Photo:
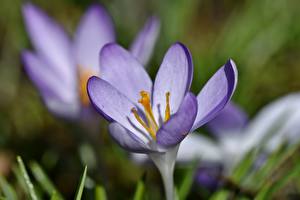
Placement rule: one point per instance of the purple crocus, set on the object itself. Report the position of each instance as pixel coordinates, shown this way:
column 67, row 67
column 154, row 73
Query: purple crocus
column 154, row 118
column 60, row 67
column 231, row 120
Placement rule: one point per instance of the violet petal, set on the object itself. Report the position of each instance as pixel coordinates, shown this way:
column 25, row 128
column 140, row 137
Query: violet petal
column 174, row 76
column 178, row 126
column 143, row 45
column 112, row 103
column 216, row 93
column 51, row 42
column 59, row 97
column 94, row 31
column 124, row 72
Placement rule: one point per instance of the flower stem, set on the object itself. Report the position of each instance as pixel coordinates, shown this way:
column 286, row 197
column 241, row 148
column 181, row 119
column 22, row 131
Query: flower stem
column 168, row 180
column 165, row 163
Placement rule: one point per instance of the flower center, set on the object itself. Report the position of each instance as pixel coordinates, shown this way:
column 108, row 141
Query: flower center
column 84, row 75
column 150, row 125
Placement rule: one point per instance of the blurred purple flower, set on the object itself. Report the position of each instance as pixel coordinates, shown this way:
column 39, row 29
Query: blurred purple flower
column 154, row 119
column 276, row 123
column 209, row 175
column 60, row 67
column 230, row 120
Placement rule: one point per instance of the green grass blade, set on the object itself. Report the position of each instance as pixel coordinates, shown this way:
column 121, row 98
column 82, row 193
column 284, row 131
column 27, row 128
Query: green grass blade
column 187, row 182
column 255, row 179
column 269, row 190
column 220, row 195
column 283, row 172
column 139, row 191
column 100, row 193
column 44, row 180
column 28, row 182
column 243, row 167
column 176, row 194
column 20, row 179
column 294, row 173
column 81, row 185
column 7, row 189
column 55, row 196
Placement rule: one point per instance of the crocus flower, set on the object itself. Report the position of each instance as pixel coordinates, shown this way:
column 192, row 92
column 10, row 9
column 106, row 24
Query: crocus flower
column 61, row 66
column 154, row 118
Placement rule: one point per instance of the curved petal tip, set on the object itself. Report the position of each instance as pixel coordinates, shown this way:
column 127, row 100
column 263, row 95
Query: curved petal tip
column 144, row 43
column 91, row 87
column 232, row 74
column 216, row 93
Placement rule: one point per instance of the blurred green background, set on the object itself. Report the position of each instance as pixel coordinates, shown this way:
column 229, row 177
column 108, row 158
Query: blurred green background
column 261, row 36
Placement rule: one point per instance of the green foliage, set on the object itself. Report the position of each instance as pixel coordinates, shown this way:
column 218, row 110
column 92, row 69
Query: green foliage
column 100, row 193
column 266, row 181
column 220, row 195
column 7, row 189
column 55, row 196
column 244, row 166
column 257, row 177
column 281, row 174
column 140, row 190
column 43, row 180
column 28, row 182
column 81, row 184
column 10, row 192
column 187, row 182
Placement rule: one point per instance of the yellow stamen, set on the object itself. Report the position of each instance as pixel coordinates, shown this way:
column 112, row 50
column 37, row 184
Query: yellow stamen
column 84, row 75
column 168, row 110
column 138, row 118
column 145, row 101
column 151, row 125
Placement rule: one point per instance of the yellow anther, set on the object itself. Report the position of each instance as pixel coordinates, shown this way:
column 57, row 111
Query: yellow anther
column 151, row 125
column 146, row 102
column 138, row 118
column 84, row 76
column 168, row 110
